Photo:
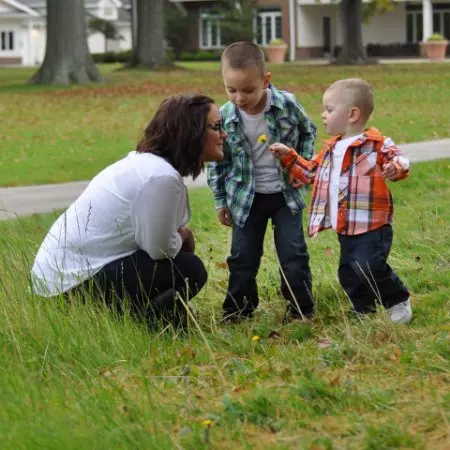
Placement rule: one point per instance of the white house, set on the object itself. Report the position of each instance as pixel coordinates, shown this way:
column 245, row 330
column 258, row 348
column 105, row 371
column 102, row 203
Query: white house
column 23, row 29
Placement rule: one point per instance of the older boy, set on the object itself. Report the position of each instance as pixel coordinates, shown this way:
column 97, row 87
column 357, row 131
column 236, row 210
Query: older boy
column 250, row 187
column 350, row 195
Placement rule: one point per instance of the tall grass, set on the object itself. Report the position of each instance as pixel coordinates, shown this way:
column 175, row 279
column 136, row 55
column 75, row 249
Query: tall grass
column 77, row 376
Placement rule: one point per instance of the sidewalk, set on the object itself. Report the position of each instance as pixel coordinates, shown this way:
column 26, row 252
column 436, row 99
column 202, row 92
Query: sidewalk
column 28, row 200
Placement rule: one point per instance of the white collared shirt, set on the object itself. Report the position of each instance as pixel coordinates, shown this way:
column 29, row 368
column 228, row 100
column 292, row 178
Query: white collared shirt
column 139, row 202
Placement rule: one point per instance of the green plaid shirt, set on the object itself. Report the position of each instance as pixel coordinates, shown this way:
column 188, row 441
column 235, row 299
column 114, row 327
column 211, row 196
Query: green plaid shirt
column 232, row 180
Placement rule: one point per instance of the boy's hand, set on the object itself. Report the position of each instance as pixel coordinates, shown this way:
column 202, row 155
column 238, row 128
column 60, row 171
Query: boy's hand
column 224, row 216
column 295, row 183
column 389, row 171
column 279, row 150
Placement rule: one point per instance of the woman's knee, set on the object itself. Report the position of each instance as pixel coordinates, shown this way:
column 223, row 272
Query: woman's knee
column 192, row 269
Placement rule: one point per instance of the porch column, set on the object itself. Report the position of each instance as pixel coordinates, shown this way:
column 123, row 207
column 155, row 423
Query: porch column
column 28, row 60
column 292, row 33
column 427, row 17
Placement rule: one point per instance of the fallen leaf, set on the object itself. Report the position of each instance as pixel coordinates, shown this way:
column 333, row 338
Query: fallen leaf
column 335, row 381
column 329, row 251
column 396, row 355
column 274, row 335
column 324, row 343
column 221, row 265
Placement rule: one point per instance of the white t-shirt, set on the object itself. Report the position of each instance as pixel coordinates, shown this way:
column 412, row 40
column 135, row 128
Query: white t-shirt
column 335, row 175
column 136, row 203
column 267, row 178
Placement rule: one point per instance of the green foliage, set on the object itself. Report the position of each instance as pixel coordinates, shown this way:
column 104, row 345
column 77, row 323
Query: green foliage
column 177, row 29
column 436, row 37
column 375, row 7
column 112, row 57
column 277, row 42
column 236, row 20
column 201, row 55
column 105, row 27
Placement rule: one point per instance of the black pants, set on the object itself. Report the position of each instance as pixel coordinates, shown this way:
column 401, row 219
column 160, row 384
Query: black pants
column 247, row 250
column 364, row 272
column 151, row 286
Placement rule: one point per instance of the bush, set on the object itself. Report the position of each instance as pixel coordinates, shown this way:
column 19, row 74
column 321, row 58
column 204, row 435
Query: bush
column 201, row 55
column 112, row 57
column 277, row 42
column 436, row 37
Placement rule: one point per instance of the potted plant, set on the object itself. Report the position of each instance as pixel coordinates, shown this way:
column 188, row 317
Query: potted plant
column 276, row 51
column 436, row 47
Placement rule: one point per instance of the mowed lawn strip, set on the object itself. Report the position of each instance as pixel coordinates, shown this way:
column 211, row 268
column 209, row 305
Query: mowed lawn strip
column 56, row 134
column 76, row 376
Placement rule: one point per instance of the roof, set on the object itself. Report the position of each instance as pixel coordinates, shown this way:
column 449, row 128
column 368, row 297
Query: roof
column 28, row 6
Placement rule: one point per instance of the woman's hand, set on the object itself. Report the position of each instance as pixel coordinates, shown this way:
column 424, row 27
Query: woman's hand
column 188, row 239
column 224, row 216
column 279, row 150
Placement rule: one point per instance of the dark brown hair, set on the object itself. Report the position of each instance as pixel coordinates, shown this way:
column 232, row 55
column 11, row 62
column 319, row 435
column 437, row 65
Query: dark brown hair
column 177, row 132
column 243, row 55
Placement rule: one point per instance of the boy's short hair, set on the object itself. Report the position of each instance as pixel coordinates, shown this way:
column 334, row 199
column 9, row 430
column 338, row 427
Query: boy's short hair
column 243, row 55
column 358, row 92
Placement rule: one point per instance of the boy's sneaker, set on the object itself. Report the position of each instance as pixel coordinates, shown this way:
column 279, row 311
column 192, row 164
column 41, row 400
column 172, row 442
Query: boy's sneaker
column 401, row 312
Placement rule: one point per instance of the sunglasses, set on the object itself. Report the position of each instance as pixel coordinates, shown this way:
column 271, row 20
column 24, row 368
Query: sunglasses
column 216, row 127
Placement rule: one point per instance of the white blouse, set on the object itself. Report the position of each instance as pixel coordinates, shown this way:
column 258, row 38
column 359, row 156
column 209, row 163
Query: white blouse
column 136, row 203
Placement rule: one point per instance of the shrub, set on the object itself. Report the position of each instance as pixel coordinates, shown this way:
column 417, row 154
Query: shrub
column 275, row 42
column 436, row 37
column 112, row 57
column 201, row 55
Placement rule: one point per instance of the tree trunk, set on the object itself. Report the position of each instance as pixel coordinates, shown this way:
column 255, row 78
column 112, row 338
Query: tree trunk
column 149, row 51
column 67, row 59
column 353, row 51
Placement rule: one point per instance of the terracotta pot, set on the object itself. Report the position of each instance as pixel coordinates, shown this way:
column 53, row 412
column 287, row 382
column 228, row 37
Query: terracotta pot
column 435, row 50
column 276, row 53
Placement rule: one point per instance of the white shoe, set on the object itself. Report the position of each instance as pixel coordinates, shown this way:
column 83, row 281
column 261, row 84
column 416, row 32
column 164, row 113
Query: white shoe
column 401, row 312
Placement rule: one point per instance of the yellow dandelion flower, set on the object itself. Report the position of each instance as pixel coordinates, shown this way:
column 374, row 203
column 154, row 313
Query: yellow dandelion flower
column 262, row 139
column 207, row 423
column 255, row 338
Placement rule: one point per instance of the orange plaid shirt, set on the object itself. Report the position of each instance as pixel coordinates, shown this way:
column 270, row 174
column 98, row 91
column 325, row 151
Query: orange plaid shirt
column 364, row 200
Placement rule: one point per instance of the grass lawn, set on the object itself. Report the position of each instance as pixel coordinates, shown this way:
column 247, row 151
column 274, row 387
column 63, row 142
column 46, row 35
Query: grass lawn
column 75, row 377
column 63, row 134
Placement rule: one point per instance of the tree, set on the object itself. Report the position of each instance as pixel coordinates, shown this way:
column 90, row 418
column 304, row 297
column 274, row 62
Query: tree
column 177, row 29
column 67, row 58
column 105, row 27
column 236, row 20
column 352, row 14
column 353, row 51
column 149, row 51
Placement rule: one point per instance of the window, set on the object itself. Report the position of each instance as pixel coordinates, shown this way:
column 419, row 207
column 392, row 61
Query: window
column 414, row 21
column 7, row 40
column 210, row 31
column 268, row 26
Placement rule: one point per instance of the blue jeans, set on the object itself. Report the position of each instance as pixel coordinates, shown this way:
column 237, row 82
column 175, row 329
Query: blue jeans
column 364, row 272
column 247, row 250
